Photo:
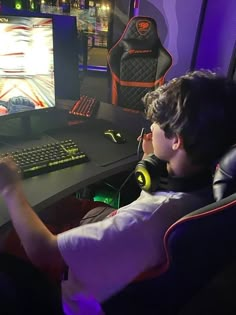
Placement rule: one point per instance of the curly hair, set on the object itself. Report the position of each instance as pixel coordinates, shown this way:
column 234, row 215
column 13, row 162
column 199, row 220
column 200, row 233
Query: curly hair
column 201, row 108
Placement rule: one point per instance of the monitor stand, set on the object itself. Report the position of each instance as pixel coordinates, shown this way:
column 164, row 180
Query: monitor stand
column 26, row 128
column 20, row 128
column 30, row 127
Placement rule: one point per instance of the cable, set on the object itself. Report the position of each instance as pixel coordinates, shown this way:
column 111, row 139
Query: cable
column 138, row 156
column 140, row 142
column 124, row 182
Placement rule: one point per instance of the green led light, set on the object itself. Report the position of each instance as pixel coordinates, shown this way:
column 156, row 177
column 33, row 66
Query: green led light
column 108, row 196
column 18, row 6
column 35, row 168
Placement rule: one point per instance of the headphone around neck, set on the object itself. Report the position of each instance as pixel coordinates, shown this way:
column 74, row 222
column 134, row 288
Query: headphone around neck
column 151, row 175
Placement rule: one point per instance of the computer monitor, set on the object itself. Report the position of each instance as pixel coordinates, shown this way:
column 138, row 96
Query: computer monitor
column 26, row 64
column 38, row 65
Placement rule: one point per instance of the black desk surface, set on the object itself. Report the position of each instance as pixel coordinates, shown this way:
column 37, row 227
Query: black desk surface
column 105, row 157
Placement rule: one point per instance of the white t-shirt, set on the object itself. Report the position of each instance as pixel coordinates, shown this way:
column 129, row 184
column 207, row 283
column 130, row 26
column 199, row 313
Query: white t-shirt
column 105, row 256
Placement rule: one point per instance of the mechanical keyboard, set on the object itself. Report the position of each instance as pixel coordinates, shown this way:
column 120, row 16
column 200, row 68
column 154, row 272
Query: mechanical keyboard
column 85, row 107
column 46, row 158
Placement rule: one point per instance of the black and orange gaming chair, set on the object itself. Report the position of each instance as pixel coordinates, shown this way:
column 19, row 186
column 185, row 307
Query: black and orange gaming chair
column 199, row 247
column 138, row 63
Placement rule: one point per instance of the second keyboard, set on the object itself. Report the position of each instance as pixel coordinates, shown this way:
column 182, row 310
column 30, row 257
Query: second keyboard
column 85, row 107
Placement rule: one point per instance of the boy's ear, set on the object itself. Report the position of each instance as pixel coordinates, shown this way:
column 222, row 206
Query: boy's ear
column 177, row 142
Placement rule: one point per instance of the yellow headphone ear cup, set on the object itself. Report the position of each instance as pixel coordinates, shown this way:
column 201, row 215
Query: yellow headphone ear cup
column 143, row 177
column 148, row 172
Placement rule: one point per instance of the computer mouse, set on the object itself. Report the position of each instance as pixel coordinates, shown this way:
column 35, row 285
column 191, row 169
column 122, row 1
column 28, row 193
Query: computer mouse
column 114, row 135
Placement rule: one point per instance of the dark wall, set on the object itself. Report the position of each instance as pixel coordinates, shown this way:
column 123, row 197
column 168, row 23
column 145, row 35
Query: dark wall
column 218, row 36
column 177, row 22
column 232, row 65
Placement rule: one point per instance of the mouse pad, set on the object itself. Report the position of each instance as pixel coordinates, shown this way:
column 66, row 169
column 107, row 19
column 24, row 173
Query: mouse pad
column 99, row 149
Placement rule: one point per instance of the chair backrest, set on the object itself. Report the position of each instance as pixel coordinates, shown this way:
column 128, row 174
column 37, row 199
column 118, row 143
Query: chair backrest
column 138, row 63
column 198, row 247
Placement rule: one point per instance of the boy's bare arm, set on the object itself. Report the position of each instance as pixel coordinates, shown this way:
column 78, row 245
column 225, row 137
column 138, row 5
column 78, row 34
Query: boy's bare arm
column 39, row 243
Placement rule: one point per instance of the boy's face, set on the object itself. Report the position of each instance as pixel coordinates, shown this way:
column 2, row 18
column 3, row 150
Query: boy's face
column 162, row 146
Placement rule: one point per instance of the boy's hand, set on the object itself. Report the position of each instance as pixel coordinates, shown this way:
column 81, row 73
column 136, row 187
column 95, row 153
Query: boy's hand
column 9, row 175
column 147, row 143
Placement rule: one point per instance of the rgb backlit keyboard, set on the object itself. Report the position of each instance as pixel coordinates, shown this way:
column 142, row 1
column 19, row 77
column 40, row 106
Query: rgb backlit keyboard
column 85, row 107
column 46, row 158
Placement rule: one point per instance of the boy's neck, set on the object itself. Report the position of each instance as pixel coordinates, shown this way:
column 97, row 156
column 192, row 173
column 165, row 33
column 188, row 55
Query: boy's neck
column 181, row 166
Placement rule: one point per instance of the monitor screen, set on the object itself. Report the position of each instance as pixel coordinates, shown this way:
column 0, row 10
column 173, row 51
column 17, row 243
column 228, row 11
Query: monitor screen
column 26, row 64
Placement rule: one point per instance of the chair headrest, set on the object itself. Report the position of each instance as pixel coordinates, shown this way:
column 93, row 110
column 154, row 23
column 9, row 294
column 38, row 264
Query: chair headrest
column 140, row 38
column 224, row 182
column 140, row 27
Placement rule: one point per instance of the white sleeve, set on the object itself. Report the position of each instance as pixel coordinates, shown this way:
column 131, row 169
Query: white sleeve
column 105, row 256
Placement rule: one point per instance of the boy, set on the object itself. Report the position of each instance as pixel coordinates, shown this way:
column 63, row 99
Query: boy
column 193, row 119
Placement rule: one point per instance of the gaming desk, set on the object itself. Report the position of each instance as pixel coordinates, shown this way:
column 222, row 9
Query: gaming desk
column 105, row 157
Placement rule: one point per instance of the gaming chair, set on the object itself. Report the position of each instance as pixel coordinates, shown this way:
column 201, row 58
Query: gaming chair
column 199, row 247
column 138, row 63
